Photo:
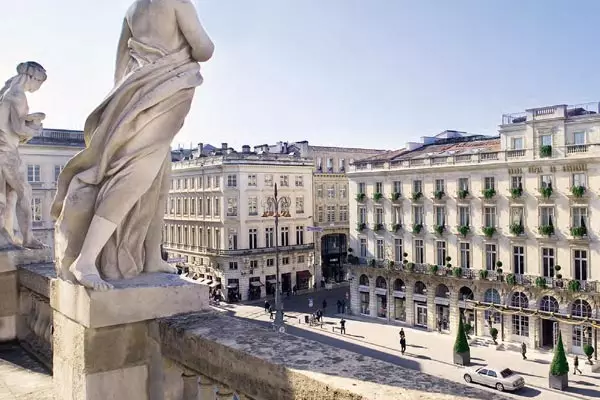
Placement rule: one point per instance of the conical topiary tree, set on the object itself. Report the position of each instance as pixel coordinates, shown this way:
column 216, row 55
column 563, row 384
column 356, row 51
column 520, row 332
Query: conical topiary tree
column 462, row 353
column 559, row 365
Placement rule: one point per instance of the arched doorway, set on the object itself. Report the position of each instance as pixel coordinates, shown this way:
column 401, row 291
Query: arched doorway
column 364, row 294
column 381, row 295
column 420, row 306
column 548, row 326
column 399, row 300
column 334, row 249
column 465, row 307
column 582, row 335
column 520, row 323
column 442, row 308
column 493, row 319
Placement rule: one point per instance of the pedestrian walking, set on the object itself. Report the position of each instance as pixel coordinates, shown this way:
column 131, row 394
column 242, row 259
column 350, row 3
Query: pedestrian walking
column 294, row 290
column 576, row 366
column 271, row 312
column 324, row 305
column 524, row 350
column 402, row 344
column 343, row 326
column 401, row 333
column 267, row 306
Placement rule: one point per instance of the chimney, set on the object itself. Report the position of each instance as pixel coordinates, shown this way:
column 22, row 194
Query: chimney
column 245, row 149
column 200, row 148
column 224, row 146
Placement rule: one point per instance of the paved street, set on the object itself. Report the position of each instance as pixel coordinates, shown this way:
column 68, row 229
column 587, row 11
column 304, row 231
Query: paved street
column 428, row 352
column 22, row 377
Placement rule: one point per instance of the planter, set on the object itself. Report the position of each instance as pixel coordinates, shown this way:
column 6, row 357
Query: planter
column 558, row 382
column 462, row 358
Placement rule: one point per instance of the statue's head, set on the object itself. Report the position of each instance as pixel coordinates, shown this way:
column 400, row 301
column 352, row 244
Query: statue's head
column 33, row 73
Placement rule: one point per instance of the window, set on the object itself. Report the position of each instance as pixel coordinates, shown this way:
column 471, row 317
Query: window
column 285, row 260
column 36, row 209
column 57, row 170
column 193, row 183
column 232, row 240
column 489, row 183
column 440, row 253
column 546, row 140
column 579, row 180
column 417, row 214
column 516, row 182
column 217, row 181
column 232, row 207
column 396, row 215
column 185, row 183
column 331, row 192
column 217, row 208
column 253, row 264
column 519, row 260
column 285, row 236
column 465, row 255
column 397, row 187
column 178, row 184
column 379, row 250
column 252, row 205
column 299, row 235
column 330, row 213
column 363, row 247
column 379, row 215
column 418, row 186
column 208, row 206
column 419, row 251
column 362, row 188
column 549, row 304
column 378, row 187
column 343, row 213
column 178, row 208
column 252, row 238
column 364, row 303
column 270, row 262
column 464, row 216
column 320, row 214
column 319, row 164
column 548, row 262
column 579, row 138
column 342, row 165
column 440, row 215
column 490, row 256
column 233, row 265
column 217, row 238
column 200, row 182
column 520, row 323
column 284, row 181
column 580, row 265
column 489, row 217
column 33, row 173
column 252, row 180
column 299, row 181
column 300, row 205
column 192, row 206
column 517, row 143
column 398, row 257
column 439, row 185
column 546, row 215
column 330, row 165
column 545, row 181
column 193, row 236
column 362, row 215
column 463, row 184
column 579, row 216
column 268, row 179
column 209, row 238
column 269, row 240
column 343, row 191
column 186, row 206
column 200, row 205
column 300, row 260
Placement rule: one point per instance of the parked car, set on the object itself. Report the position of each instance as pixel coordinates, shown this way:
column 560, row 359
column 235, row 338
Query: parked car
column 500, row 378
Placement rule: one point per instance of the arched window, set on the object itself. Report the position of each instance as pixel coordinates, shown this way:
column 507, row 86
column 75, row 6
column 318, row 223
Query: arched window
column 363, row 280
column 549, row 304
column 581, row 308
column 420, row 288
column 399, row 285
column 465, row 294
column 380, row 282
column 492, row 296
column 442, row 291
column 519, row 299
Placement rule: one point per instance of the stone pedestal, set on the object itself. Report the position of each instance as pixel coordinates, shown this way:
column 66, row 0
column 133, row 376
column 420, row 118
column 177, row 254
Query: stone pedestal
column 102, row 346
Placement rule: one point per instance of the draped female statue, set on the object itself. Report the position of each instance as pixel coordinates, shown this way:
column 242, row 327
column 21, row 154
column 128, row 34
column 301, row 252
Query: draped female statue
column 110, row 199
column 17, row 126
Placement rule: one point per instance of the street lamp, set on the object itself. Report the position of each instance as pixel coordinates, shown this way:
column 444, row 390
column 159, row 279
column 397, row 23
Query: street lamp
column 273, row 206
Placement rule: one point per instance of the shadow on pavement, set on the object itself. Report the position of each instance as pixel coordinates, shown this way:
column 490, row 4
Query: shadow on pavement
column 584, row 392
column 13, row 354
column 527, row 392
column 416, row 346
column 537, row 360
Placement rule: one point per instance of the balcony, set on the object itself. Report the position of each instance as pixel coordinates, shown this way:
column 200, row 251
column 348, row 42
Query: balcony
column 516, row 153
column 361, row 197
column 578, row 194
column 576, row 148
column 396, row 197
column 262, row 250
column 439, row 197
column 488, row 195
column 463, row 196
column 417, row 197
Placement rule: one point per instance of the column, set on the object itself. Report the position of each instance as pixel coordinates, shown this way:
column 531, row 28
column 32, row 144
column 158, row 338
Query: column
column 410, row 303
column 354, row 296
column 207, row 388
column 372, row 297
column 102, row 341
column 454, row 310
column 190, row 386
column 431, row 307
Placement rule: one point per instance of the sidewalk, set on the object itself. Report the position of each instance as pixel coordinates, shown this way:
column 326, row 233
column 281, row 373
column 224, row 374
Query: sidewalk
column 433, row 353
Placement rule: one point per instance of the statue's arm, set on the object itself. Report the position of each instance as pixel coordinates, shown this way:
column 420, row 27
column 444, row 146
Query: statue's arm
column 123, row 51
column 19, row 110
column 190, row 26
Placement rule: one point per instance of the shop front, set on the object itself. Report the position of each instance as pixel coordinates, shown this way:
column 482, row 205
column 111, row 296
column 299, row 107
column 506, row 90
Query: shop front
column 381, row 296
column 364, row 295
column 233, row 290
column 254, row 290
column 465, row 307
column 286, row 282
column 271, row 284
column 399, row 300
column 303, row 279
column 442, row 308
column 420, row 305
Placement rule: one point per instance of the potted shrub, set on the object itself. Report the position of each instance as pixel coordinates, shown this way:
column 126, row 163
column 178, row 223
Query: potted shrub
column 517, row 228
column 547, row 230
column 377, row 196
column 417, row 228
column 578, row 231
column 463, row 193
column 488, row 231
column 546, row 191
column 395, row 196
column 517, row 192
column 439, row 229
column 499, row 270
column 489, row 193
column 361, row 226
column 494, row 334
column 578, row 191
column 411, row 266
column 457, row 272
column 417, row 195
column 559, row 369
column 464, row 230
column 540, row 282
column 439, row 194
column 558, row 276
column 589, row 352
column 360, row 197
column 433, row 269
column 396, row 227
column 511, row 279
column 462, row 353
column 546, row 151
column 483, row 274
column 574, row 286
column 372, row 263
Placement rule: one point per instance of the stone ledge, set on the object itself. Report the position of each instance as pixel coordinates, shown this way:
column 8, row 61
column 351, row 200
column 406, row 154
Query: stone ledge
column 37, row 277
column 146, row 297
column 262, row 364
column 12, row 258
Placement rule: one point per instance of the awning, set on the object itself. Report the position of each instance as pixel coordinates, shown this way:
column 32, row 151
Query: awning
column 232, row 286
column 303, row 274
column 256, row 283
column 272, row 281
column 214, row 284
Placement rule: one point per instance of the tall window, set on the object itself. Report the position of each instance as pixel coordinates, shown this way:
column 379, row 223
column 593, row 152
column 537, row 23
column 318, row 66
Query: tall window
column 269, row 239
column 252, row 180
column 520, row 323
column 285, row 236
column 465, row 255
column 378, row 187
column 546, row 181
column 579, row 180
column 344, row 213
column 217, row 207
column 546, row 215
column 519, row 260
column 178, row 207
column 463, row 183
column 417, row 214
column 379, row 215
column 440, row 215
column 232, row 207
column 320, row 213
column 418, row 186
column 517, row 143
column 546, row 140
column 419, row 251
column 516, row 182
column 186, row 207
column 579, row 138
column 363, row 247
column 300, row 205
column 299, row 235
column 362, row 187
column 331, row 213
column 490, row 256
column 516, row 215
column 33, row 173
column 548, row 262
column 489, row 216
column 396, row 215
column 232, row 240
column 299, row 181
column 439, row 185
column 330, row 165
column 343, row 191
column 342, row 165
column 252, row 205
column 268, row 179
column 379, row 249
column 331, row 191
column 398, row 251
column 580, row 265
column 36, row 209
column 362, row 215
column 57, row 170
column 217, row 181
column 579, row 217
column 320, row 191
column 397, row 187
column 252, row 238
column 464, row 216
column 192, row 206
column 489, row 182
column 319, row 164
column 233, row 265
column 440, row 253
column 200, row 204
column 284, row 181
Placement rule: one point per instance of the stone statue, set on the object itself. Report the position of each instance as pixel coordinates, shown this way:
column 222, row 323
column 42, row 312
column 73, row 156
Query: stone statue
column 17, row 126
column 110, row 199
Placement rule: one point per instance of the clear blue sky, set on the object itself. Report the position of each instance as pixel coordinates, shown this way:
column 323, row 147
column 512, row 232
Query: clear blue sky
column 371, row 73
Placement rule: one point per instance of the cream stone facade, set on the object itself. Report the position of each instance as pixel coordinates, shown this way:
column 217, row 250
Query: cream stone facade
column 220, row 229
column 460, row 219
column 43, row 158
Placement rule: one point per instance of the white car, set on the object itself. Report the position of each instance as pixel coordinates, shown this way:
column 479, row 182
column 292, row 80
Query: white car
column 499, row 378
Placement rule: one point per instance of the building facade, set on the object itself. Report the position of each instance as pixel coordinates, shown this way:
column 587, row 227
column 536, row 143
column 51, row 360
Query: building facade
column 496, row 229
column 220, row 220
column 43, row 158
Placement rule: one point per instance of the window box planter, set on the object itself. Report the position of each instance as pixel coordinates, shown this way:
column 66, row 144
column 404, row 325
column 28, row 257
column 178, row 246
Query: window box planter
column 417, row 228
column 360, row 197
column 378, row 227
column 377, row 196
column 578, row 191
column 546, row 230
column 517, row 229
column 540, row 282
column 488, row 231
column 439, row 194
column 433, row 269
column 574, row 286
column 440, row 229
column 463, row 194
column 457, row 272
column 511, row 279
column 489, row 193
column 546, row 151
column 417, row 196
column 395, row 196
column 578, row 231
column 361, row 226
column 516, row 193
column 546, row 192
column 483, row 274
column 396, row 227
column 464, row 230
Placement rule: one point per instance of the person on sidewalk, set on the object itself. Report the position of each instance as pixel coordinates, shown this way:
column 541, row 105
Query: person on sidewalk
column 524, row 350
column 339, row 306
column 402, row 344
column 401, row 333
column 271, row 312
column 267, row 306
column 324, row 305
column 576, row 366
column 343, row 326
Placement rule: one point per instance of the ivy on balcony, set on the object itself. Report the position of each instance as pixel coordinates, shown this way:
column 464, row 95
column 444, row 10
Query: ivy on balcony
column 488, row 193
column 574, row 286
column 517, row 228
column 546, row 230
column 483, row 274
column 396, row 196
column 488, row 231
column 361, row 226
column 379, row 227
column 439, row 194
column 578, row 231
column 417, row 228
column 546, row 151
column 360, row 197
column 457, row 272
column 578, row 191
column 439, row 229
column 377, row 196
column 433, row 269
column 540, row 282
column 546, row 192
column 417, row 195
column 463, row 193
column 396, row 227
column 511, row 279
column 516, row 193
